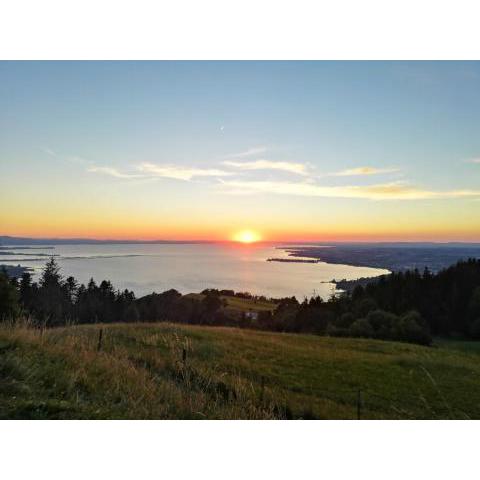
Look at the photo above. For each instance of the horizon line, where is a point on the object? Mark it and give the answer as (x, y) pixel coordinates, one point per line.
(211, 241)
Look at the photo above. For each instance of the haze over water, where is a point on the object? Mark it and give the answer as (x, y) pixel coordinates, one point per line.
(192, 268)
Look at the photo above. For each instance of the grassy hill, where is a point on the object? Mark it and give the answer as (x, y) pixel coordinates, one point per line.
(140, 372)
(235, 306)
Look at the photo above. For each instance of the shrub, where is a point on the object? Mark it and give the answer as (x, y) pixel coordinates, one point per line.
(131, 314)
(345, 320)
(382, 323)
(361, 328)
(364, 306)
(411, 328)
(333, 330)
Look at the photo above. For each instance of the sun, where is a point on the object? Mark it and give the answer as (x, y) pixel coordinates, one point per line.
(246, 236)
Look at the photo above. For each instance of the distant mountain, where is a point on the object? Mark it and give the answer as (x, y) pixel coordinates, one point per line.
(8, 240)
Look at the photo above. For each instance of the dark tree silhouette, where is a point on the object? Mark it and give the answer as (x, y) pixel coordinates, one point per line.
(9, 306)
(405, 306)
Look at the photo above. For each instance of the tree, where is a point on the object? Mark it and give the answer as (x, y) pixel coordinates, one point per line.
(363, 306)
(27, 292)
(411, 328)
(131, 313)
(361, 328)
(382, 323)
(344, 320)
(474, 305)
(72, 286)
(211, 304)
(53, 299)
(51, 274)
(9, 307)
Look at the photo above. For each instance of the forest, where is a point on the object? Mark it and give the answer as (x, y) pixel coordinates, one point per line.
(404, 306)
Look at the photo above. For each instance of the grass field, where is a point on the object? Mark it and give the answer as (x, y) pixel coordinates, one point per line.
(228, 373)
(235, 306)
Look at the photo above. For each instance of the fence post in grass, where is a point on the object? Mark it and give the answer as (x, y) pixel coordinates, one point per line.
(100, 337)
(359, 404)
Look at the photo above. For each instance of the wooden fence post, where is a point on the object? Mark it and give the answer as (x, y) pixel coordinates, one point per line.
(100, 336)
(184, 356)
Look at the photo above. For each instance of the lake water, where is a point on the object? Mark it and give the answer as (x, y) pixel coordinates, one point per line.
(191, 268)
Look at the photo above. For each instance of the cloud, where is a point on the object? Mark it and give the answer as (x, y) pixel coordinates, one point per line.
(179, 172)
(113, 172)
(473, 160)
(248, 153)
(68, 158)
(387, 191)
(50, 152)
(151, 170)
(363, 171)
(298, 168)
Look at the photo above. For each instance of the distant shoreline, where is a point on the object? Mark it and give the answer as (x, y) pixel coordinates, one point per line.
(391, 257)
(8, 241)
(15, 271)
(294, 260)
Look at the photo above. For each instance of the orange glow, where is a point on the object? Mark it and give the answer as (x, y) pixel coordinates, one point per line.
(37, 218)
(246, 236)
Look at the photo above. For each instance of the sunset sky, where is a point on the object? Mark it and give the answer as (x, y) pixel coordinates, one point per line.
(204, 150)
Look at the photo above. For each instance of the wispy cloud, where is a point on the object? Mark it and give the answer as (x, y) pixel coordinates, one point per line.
(50, 152)
(180, 172)
(152, 170)
(248, 153)
(68, 158)
(113, 172)
(350, 172)
(387, 191)
(473, 160)
(298, 168)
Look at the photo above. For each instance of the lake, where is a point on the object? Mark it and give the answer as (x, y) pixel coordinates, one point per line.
(147, 268)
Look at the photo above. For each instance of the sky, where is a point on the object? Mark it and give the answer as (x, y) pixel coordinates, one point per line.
(293, 151)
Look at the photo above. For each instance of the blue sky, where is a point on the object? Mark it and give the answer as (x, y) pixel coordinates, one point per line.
(293, 149)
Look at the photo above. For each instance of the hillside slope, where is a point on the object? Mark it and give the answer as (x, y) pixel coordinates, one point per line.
(141, 371)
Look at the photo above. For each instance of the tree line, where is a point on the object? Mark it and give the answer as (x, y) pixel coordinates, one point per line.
(56, 301)
(405, 306)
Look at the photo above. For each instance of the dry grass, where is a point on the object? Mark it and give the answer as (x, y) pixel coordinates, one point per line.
(228, 373)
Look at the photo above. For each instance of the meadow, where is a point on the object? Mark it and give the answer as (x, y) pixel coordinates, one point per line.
(171, 371)
(234, 306)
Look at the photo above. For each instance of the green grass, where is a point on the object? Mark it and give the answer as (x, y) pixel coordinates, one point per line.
(229, 373)
(235, 306)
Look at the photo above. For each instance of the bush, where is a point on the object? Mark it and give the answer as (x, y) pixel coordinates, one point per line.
(344, 321)
(364, 306)
(382, 323)
(411, 328)
(333, 330)
(131, 314)
(361, 328)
